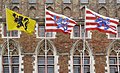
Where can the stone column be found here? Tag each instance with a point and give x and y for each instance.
(99, 44)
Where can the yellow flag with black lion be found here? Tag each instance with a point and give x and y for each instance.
(17, 21)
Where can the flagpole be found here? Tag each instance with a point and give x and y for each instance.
(84, 39)
(9, 60)
(45, 41)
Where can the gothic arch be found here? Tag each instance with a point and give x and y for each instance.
(42, 43)
(50, 8)
(67, 11)
(112, 57)
(77, 53)
(103, 11)
(80, 45)
(15, 56)
(15, 8)
(114, 45)
(13, 44)
(45, 52)
(32, 12)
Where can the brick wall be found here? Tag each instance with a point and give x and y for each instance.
(63, 43)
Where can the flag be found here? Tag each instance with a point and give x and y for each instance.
(58, 23)
(95, 21)
(17, 21)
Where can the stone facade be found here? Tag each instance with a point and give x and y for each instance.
(98, 43)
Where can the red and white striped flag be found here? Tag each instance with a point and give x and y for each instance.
(58, 23)
(95, 21)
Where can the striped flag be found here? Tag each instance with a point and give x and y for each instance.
(58, 23)
(95, 21)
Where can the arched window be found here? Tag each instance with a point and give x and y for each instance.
(80, 63)
(113, 59)
(46, 59)
(11, 62)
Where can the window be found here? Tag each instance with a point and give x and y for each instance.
(114, 57)
(15, 64)
(32, 1)
(112, 36)
(77, 67)
(118, 1)
(11, 34)
(11, 62)
(43, 61)
(102, 1)
(46, 58)
(78, 32)
(15, 1)
(66, 1)
(82, 31)
(84, 1)
(113, 65)
(77, 64)
(118, 31)
(113, 60)
(76, 59)
(49, 1)
(41, 32)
